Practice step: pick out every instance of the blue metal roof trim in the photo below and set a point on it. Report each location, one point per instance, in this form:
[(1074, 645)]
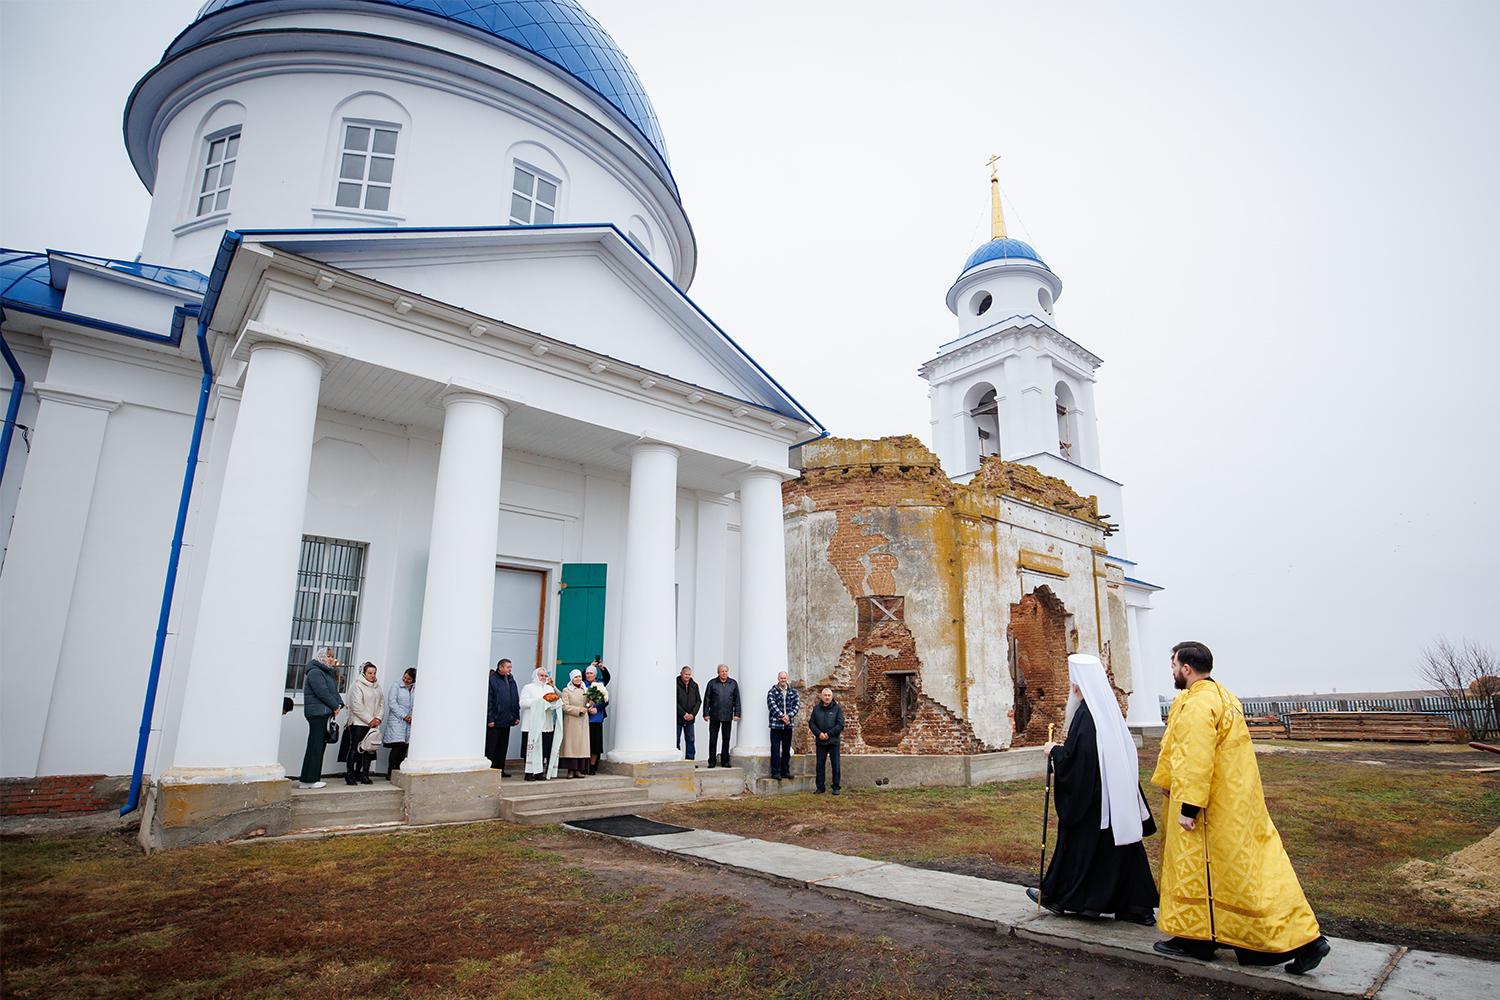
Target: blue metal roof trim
[(802, 411), (24, 289), (558, 31), (176, 277), (19, 283), (1004, 248)]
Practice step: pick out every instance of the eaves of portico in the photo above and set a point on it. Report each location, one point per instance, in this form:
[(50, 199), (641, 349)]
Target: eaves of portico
[(338, 314), (1008, 338)]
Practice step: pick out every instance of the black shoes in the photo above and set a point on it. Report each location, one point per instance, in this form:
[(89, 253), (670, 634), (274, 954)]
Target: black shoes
[(835, 791), (506, 774), (1309, 956), (1143, 917), (1179, 947), (712, 762), (817, 791), (1033, 895)]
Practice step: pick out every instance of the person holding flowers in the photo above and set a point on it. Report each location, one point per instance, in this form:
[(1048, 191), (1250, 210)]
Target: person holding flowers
[(598, 698), (575, 734)]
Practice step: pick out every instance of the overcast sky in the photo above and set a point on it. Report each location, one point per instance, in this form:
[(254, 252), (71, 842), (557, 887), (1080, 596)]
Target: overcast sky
[(1279, 225)]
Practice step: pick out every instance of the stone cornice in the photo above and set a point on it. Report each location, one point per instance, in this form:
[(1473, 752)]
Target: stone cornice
[(995, 344)]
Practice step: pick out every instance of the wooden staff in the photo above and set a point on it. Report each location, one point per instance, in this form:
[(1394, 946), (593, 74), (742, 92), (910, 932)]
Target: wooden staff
[(1046, 808)]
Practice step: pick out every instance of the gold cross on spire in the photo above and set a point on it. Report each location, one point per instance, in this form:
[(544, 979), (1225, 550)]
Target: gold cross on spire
[(997, 215)]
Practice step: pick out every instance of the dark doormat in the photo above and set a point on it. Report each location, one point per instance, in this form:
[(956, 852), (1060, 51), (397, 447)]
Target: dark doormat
[(625, 826)]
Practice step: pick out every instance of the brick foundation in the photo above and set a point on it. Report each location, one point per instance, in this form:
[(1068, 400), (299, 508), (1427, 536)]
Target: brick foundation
[(61, 795)]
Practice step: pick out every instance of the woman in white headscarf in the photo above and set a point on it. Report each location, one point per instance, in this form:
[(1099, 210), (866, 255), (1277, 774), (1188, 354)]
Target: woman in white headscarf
[(1099, 865), (541, 706), (575, 736)]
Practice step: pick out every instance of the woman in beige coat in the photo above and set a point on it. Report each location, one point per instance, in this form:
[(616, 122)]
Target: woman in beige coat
[(574, 754), (366, 710)]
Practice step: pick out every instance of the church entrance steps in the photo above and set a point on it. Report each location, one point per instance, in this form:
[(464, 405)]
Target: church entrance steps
[(1354, 969), (341, 806), (796, 783), (558, 800), (680, 780)]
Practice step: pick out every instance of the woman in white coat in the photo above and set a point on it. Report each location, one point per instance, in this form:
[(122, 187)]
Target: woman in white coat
[(366, 709), (541, 709)]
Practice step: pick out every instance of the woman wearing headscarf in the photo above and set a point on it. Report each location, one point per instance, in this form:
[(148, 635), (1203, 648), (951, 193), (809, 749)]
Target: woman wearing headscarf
[(575, 737), (366, 709), (1100, 863), (540, 708), (598, 696)]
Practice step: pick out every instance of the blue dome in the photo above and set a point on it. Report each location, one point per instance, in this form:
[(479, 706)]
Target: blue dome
[(1004, 248), (559, 31)]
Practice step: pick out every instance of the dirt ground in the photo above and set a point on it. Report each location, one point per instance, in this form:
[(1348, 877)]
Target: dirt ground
[(491, 910)]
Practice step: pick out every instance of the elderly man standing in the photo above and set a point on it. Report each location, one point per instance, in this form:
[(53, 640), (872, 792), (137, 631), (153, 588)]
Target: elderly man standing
[(721, 707), (781, 708), (826, 722), (502, 714), (1225, 876)]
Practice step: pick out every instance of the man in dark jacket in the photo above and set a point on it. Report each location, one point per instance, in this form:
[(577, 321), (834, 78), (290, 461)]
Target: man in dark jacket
[(688, 703), (502, 715), (721, 707), (320, 702), (826, 723)]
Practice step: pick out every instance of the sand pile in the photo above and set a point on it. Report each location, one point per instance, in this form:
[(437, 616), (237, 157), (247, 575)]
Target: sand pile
[(1466, 881)]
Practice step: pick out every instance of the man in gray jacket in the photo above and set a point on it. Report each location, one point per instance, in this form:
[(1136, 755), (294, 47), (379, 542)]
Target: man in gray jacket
[(320, 703)]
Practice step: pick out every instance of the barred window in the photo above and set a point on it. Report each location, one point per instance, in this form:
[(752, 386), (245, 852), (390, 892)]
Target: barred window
[(330, 576)]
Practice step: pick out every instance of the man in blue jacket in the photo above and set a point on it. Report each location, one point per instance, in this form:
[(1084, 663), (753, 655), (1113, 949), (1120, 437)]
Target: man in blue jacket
[(503, 715), (826, 723), (721, 708), (320, 703), (781, 708)]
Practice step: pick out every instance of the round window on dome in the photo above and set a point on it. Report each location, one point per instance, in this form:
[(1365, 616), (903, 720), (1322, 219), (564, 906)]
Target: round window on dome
[(1045, 298), (981, 302)]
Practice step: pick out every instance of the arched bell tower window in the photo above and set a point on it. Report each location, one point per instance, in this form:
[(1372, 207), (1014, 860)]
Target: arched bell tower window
[(1067, 424), (981, 425)]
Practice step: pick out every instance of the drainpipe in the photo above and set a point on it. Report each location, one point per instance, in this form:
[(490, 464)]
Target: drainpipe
[(13, 409), (165, 614)]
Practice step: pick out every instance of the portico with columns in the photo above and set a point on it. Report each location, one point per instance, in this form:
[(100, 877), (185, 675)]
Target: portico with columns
[(451, 444)]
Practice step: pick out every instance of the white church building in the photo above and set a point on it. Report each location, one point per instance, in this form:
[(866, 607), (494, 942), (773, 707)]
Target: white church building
[(406, 366)]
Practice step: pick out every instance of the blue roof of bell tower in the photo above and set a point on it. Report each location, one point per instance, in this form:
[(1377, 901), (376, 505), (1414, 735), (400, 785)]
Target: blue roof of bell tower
[(1003, 248), (558, 31)]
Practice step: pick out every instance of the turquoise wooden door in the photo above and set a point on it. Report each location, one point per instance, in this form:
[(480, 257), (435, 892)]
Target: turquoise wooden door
[(580, 617)]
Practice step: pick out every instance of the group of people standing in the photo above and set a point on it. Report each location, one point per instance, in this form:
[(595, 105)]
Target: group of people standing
[(720, 704), (1232, 887), (538, 710), (375, 719)]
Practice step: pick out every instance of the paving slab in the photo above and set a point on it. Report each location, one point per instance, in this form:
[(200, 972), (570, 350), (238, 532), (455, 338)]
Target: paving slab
[(980, 901), (686, 839), (1349, 970), (1427, 975), (785, 861)]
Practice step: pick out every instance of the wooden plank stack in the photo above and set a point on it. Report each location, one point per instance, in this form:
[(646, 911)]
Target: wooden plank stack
[(1385, 727), (1266, 727)]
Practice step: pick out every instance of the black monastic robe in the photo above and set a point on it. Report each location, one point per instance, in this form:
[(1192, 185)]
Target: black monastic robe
[(1088, 874)]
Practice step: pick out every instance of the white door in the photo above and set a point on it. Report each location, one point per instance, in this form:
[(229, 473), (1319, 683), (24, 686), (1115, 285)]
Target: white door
[(516, 621)]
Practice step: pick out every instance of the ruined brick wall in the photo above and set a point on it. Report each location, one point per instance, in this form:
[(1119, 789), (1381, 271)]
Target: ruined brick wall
[(1039, 655), (872, 518)]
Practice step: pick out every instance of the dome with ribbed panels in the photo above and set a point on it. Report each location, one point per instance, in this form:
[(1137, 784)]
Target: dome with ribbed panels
[(560, 32), (1003, 248)]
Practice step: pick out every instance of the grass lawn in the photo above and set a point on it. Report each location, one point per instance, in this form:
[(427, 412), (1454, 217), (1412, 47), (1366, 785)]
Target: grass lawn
[(1349, 814), (490, 910)]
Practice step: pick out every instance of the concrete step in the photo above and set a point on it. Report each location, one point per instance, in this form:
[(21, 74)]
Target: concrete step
[(542, 817), (797, 783), (720, 783), (341, 805), (520, 788), (623, 797)]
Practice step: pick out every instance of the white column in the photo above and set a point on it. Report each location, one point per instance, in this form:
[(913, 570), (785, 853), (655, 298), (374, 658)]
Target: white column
[(642, 708), (708, 611), (447, 732), (1145, 669), (245, 614), (41, 566), (1088, 427), (762, 605)]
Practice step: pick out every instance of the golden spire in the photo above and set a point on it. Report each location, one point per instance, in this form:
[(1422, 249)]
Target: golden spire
[(997, 215)]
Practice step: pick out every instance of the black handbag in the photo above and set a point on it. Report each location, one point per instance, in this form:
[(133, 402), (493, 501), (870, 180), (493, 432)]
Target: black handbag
[(332, 736)]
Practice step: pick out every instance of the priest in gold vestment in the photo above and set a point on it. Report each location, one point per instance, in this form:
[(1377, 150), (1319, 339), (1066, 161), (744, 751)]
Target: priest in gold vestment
[(1225, 878)]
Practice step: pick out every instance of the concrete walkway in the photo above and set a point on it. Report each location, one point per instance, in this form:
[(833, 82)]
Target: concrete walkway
[(1354, 969)]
